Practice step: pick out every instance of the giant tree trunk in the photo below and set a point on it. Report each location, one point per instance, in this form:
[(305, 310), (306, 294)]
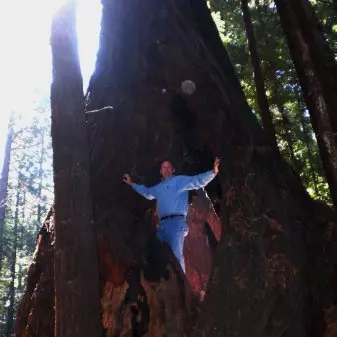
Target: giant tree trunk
[(3, 187), (265, 262), (269, 271), (317, 73), (76, 271), (266, 116)]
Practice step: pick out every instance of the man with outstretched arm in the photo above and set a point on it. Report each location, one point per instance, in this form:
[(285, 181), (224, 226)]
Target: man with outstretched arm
[(172, 203)]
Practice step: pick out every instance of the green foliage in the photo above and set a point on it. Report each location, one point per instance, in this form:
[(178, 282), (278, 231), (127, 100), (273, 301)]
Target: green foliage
[(326, 12), (295, 136), (30, 189)]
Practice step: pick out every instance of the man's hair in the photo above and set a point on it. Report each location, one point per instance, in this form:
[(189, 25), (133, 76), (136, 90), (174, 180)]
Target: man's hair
[(164, 160)]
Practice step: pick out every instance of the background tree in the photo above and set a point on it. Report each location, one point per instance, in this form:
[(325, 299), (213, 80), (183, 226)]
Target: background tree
[(11, 308), (317, 73), (20, 230), (280, 80), (262, 100), (4, 186)]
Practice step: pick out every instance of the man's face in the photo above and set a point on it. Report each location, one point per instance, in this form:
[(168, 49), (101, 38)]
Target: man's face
[(166, 169)]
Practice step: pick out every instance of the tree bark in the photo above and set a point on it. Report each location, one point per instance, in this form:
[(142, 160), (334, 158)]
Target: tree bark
[(35, 317), (76, 271), (317, 73), (3, 187), (200, 243), (266, 115)]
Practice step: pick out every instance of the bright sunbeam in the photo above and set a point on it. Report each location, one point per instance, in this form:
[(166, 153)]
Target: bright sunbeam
[(89, 13), (25, 58)]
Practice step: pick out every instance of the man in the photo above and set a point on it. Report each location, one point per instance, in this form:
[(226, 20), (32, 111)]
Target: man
[(172, 203)]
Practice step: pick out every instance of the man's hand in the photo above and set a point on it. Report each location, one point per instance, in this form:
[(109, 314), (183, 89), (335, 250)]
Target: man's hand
[(127, 179), (216, 165)]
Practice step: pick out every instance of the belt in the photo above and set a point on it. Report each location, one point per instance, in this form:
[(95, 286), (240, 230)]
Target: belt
[(171, 216)]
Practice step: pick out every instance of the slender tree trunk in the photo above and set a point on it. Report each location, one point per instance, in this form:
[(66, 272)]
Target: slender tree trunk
[(307, 141), (76, 271), (3, 188), (11, 307), (285, 119), (20, 239), (266, 116), (40, 177), (277, 89), (288, 136), (317, 73)]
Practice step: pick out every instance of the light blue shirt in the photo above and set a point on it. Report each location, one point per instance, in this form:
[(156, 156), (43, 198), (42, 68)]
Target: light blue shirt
[(172, 193)]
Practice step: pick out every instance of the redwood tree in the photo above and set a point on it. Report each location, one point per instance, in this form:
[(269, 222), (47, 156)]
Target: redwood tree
[(317, 74), (266, 116), (11, 309), (76, 271), (4, 186), (265, 262), (271, 276)]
